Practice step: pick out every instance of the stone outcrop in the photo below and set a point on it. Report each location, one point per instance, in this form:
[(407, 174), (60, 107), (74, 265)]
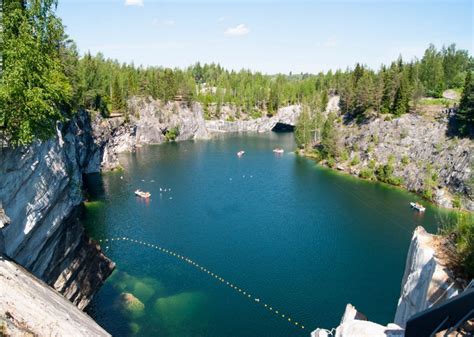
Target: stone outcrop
[(40, 190), (420, 148), (286, 115), (149, 120), (28, 307), (355, 324), (426, 282)]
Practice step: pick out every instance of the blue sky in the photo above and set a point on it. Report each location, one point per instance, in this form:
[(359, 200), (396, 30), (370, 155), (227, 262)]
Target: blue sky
[(263, 35)]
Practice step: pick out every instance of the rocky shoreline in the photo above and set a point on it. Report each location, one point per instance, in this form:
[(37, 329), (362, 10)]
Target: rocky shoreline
[(421, 154), (41, 185)]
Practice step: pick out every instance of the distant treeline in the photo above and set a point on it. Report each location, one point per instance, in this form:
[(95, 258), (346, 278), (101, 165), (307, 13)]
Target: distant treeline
[(44, 80), (396, 88)]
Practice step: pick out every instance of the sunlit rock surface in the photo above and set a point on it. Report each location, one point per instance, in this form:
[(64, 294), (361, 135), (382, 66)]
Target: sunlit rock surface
[(420, 147), (426, 281), (29, 307), (40, 189)]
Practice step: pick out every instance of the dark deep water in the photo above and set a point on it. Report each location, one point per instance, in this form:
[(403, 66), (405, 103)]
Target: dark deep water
[(303, 239)]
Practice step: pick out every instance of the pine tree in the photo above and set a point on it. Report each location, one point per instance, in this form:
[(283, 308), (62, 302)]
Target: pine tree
[(330, 138), (118, 102), (432, 72), (465, 114), (303, 131), (402, 98)]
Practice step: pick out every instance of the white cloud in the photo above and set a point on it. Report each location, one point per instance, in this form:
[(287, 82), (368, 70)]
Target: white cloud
[(168, 22), (133, 2), (239, 30)]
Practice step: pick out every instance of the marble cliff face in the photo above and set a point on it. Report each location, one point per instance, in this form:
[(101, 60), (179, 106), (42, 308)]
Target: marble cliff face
[(40, 191)]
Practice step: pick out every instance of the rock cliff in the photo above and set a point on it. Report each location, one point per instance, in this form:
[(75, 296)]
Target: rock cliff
[(149, 120), (285, 116), (423, 155), (40, 190), (28, 307), (426, 282)]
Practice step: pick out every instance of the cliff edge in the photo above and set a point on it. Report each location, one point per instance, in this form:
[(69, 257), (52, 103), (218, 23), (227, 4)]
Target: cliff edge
[(40, 191), (28, 307), (426, 282)]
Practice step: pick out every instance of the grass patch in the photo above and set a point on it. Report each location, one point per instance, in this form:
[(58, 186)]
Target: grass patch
[(460, 229), (436, 101)]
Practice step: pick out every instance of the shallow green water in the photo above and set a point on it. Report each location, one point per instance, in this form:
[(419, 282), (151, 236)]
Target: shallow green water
[(302, 239)]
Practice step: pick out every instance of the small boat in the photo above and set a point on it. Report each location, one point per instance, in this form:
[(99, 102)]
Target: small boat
[(279, 150), (417, 206), (240, 153), (142, 194)]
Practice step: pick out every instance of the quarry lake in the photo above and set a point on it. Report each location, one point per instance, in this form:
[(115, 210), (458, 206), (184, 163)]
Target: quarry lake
[(267, 243)]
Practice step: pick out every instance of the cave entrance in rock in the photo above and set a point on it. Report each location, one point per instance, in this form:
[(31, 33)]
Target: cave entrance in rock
[(282, 127)]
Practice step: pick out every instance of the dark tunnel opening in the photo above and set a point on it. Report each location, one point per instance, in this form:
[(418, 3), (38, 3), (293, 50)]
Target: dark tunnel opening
[(281, 127)]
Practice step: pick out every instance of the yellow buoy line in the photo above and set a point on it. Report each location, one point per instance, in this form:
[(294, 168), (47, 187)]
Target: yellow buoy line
[(231, 285)]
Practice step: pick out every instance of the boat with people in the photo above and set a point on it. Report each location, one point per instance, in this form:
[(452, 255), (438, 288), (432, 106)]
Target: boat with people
[(142, 194), (417, 206), (279, 150), (240, 153)]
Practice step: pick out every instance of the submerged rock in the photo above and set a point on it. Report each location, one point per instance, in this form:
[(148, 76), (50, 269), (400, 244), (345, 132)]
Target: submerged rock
[(130, 305)]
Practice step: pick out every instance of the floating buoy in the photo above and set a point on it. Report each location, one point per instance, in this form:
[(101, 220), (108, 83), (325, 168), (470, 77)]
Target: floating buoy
[(216, 276)]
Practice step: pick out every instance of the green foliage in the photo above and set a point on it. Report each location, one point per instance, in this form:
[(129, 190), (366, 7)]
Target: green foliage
[(308, 125), (34, 89), (460, 226), (465, 114), (355, 160), (172, 134), (432, 72), (429, 183), (44, 79), (405, 160), (435, 101), (384, 173), (344, 155), (366, 173), (365, 93), (457, 201), (331, 162), (330, 138), (372, 164)]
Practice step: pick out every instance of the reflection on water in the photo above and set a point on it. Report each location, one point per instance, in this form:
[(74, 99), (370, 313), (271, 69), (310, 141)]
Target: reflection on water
[(306, 239)]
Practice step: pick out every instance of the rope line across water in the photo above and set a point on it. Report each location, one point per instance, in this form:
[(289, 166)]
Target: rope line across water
[(225, 282)]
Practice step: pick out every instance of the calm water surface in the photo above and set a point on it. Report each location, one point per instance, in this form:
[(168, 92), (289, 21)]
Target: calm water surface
[(303, 239)]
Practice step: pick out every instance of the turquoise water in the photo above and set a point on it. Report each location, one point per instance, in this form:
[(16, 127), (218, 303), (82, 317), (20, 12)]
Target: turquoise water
[(302, 239)]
